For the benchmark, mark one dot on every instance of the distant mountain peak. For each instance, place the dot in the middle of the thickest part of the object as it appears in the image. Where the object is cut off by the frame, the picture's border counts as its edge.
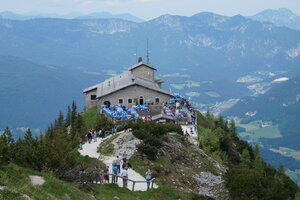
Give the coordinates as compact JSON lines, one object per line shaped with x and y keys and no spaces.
{"x":281,"y":17}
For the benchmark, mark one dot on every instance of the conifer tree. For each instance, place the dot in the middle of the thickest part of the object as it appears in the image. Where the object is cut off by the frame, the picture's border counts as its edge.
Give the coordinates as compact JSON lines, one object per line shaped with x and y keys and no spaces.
{"x":258,"y":162}
{"x":73,"y":112}
{"x":68,"y":117}
{"x":6,"y":136}
{"x":232,"y":128}
{"x":245,"y":158}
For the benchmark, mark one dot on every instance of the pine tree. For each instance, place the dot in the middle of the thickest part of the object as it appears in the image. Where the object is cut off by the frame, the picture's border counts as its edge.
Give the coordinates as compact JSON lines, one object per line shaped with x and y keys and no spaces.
{"x":6,"y":137}
{"x":68,"y":118}
{"x":245,"y":158}
{"x":60,"y":120}
{"x":73,"y":112}
{"x":258,"y":162}
{"x":232,"y":128}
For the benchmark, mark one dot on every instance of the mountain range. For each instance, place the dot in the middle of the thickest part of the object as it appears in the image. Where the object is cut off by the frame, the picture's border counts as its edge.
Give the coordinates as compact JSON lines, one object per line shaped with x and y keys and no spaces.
{"x":208,"y":53}
{"x":74,"y":15}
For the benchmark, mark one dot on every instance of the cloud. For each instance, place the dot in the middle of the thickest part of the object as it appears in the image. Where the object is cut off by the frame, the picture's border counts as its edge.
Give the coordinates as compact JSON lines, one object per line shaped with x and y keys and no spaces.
{"x":35,"y":131}
{"x":118,"y":2}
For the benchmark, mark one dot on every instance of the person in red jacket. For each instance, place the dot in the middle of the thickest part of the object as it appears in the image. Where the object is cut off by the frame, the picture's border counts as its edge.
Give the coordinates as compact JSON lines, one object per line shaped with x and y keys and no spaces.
{"x":80,"y":143}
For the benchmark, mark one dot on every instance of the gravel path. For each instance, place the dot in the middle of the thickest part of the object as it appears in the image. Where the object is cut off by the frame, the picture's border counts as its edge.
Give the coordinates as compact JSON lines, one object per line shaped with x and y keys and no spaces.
{"x":91,"y":151}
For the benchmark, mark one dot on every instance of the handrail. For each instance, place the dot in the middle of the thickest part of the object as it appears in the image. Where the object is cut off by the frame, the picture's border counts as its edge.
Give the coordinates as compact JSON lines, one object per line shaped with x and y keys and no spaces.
{"x":133,"y":181}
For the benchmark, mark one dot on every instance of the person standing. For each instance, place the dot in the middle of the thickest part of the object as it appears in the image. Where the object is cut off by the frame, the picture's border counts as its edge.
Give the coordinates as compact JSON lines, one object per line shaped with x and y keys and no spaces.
{"x":118,"y":164}
{"x":94,"y":135}
{"x":148,"y":178}
{"x":115,"y":174}
{"x":89,"y":136}
{"x":124,"y":156}
{"x":80,"y":143}
{"x":125,"y":177}
{"x":106,"y":175}
{"x":103,"y":133}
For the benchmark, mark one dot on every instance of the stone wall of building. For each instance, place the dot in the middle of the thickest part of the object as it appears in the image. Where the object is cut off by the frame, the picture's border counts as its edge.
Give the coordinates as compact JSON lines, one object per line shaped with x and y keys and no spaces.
{"x":90,"y":99}
{"x":144,"y":72}
{"x":134,"y":95}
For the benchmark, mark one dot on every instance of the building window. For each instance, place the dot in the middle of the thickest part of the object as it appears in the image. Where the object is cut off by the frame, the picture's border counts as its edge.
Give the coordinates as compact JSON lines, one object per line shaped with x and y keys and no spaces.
{"x":129,"y":100}
{"x":156,"y":100}
{"x":120,"y":101}
{"x":93,"y":97}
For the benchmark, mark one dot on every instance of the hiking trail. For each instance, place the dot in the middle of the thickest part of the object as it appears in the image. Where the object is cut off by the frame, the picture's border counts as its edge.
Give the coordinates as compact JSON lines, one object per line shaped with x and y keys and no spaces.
{"x":91,"y":151}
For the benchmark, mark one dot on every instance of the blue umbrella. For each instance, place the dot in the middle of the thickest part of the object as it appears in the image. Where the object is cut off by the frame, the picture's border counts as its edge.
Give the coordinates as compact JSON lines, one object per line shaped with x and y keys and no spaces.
{"x":148,"y":100}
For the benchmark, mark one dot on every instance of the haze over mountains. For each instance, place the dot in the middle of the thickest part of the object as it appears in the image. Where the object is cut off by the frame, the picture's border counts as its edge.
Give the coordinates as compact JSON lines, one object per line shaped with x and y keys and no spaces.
{"x":74,"y":15}
{"x":46,"y":62}
{"x":212,"y":51}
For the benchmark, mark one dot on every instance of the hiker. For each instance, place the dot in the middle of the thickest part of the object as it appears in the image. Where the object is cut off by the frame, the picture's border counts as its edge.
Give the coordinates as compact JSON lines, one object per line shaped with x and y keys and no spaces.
{"x":125,"y":128}
{"x":80,"y":143}
{"x":114,"y":163}
{"x":101,"y":177}
{"x":103,"y":133}
{"x":124,"y":156}
{"x":118,"y":164}
{"x":89,"y":136}
{"x":187,"y":133}
{"x":114,"y":130}
{"x":115,"y":174}
{"x":94,"y":136}
{"x":126,"y":165}
{"x":125,"y":177}
{"x":96,"y":174}
{"x":148,"y":178}
{"x":106,"y":175}
{"x":100,"y":133}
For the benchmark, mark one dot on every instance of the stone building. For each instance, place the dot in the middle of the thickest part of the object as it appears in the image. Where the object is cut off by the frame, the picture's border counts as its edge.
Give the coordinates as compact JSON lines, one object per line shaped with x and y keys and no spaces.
{"x":136,"y":86}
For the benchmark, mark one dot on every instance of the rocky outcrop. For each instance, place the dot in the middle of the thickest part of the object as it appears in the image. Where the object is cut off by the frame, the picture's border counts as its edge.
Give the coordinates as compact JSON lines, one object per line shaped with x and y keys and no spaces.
{"x":185,"y":166}
{"x":126,"y":142}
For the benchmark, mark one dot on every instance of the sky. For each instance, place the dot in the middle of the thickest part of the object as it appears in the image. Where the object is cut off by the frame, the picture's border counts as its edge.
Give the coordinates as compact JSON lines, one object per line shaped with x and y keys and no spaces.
{"x":148,"y":9}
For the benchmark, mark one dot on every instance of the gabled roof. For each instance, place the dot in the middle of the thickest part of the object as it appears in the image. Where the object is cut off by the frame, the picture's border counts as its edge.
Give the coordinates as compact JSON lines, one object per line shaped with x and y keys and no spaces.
{"x":162,"y":116}
{"x":139,"y":65}
{"x":122,"y":81}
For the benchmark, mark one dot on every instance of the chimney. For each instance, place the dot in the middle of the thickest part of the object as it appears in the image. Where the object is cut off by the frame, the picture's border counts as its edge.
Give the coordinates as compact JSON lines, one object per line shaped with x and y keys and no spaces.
{"x":140,"y":60}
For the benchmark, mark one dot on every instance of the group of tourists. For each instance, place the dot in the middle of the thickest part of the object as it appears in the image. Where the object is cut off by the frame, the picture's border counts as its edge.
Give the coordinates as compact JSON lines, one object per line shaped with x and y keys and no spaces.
{"x":92,"y":135}
{"x":119,"y":168}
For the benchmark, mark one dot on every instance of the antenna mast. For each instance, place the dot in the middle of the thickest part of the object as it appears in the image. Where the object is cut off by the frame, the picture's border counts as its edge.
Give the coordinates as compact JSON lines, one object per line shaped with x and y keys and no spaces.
{"x":148,"y":52}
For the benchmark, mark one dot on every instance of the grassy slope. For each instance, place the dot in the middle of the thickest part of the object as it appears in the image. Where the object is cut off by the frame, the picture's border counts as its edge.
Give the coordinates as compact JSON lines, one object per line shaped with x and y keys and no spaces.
{"x":89,"y":117}
{"x":17,"y":181}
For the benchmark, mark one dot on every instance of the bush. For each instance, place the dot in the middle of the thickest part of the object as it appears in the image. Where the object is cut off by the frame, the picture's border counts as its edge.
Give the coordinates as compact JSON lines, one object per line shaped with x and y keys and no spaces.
{"x":150,"y":151}
{"x":152,"y":141}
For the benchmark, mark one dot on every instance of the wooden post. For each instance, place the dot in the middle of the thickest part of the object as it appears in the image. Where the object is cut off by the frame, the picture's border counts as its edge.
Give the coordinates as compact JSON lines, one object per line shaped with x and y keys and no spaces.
{"x":133,"y":184}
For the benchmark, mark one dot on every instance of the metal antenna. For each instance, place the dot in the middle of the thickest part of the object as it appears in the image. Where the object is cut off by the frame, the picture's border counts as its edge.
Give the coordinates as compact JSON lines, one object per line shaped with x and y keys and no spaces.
{"x":148,"y":52}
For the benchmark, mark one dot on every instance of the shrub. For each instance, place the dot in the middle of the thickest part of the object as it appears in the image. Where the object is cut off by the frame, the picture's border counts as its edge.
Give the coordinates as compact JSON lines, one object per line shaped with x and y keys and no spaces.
{"x":150,"y":151}
{"x":152,"y":141}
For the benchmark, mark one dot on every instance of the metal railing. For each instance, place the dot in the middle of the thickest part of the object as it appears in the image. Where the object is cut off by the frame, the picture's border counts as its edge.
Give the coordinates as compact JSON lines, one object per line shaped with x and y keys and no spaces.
{"x":87,"y":178}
